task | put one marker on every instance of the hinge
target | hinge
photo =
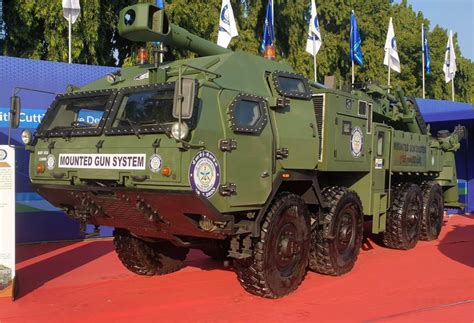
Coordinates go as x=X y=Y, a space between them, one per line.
x=228 y=189
x=227 y=145
x=282 y=153
x=283 y=102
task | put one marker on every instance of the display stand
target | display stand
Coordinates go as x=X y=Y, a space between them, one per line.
x=7 y=222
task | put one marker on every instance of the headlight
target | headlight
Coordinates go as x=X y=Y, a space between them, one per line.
x=26 y=136
x=50 y=162
x=177 y=133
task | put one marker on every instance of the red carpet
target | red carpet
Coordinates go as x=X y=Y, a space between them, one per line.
x=85 y=282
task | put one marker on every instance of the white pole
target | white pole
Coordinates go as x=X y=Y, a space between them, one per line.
x=423 y=56
x=70 y=36
x=314 y=59
x=452 y=89
x=353 y=75
x=389 y=61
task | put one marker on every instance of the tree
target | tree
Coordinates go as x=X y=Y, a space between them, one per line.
x=38 y=30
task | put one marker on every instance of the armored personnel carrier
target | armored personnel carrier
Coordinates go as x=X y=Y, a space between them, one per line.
x=242 y=158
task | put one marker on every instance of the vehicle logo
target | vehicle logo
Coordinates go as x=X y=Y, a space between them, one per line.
x=357 y=142
x=50 y=162
x=204 y=174
x=3 y=154
x=155 y=163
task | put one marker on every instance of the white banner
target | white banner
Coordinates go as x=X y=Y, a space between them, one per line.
x=103 y=161
x=7 y=220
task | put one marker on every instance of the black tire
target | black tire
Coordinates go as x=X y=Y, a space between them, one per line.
x=404 y=217
x=148 y=258
x=218 y=250
x=280 y=256
x=433 y=210
x=337 y=241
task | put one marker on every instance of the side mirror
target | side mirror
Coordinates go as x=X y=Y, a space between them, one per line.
x=184 y=96
x=15 y=110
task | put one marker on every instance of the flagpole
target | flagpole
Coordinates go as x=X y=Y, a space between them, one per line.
x=353 y=75
x=314 y=59
x=423 y=55
x=389 y=61
x=70 y=34
x=452 y=89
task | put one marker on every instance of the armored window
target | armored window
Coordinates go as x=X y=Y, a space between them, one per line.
x=144 y=109
x=248 y=114
x=78 y=114
x=362 y=112
x=380 y=143
x=292 y=85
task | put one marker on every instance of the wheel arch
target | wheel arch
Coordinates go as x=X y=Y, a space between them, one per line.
x=302 y=183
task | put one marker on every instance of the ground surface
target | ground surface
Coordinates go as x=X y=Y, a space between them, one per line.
x=85 y=282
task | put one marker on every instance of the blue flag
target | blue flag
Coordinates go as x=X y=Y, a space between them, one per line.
x=426 y=50
x=160 y=4
x=268 y=32
x=355 y=42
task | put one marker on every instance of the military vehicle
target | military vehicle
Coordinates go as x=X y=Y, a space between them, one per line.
x=241 y=157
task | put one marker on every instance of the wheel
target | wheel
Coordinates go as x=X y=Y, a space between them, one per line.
x=404 y=217
x=280 y=256
x=148 y=258
x=219 y=250
x=433 y=209
x=336 y=245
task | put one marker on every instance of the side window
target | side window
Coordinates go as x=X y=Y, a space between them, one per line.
x=362 y=112
x=380 y=143
x=292 y=85
x=248 y=114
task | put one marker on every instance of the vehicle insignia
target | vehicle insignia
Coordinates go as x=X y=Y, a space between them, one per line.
x=204 y=174
x=155 y=163
x=357 y=142
x=3 y=154
x=50 y=162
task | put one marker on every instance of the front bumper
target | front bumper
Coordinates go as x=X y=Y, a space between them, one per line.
x=149 y=213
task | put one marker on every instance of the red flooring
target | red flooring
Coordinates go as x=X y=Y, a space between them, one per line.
x=85 y=281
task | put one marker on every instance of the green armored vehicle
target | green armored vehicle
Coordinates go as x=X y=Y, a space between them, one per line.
x=242 y=158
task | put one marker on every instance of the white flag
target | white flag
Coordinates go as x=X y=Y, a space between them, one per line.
x=391 y=53
x=227 y=26
x=314 y=35
x=449 y=66
x=71 y=8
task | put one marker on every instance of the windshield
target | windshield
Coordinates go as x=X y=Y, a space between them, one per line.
x=145 y=108
x=76 y=113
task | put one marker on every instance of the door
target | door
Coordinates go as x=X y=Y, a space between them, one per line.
x=381 y=145
x=248 y=151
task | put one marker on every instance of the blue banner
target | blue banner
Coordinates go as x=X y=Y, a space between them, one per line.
x=355 y=42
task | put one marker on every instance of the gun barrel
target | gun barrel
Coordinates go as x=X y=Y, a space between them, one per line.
x=146 y=22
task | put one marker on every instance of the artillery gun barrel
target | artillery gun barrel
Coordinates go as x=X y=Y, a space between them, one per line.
x=146 y=22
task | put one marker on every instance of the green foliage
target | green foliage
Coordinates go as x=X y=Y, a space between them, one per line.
x=38 y=30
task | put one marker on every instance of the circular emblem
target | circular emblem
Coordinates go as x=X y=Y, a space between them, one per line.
x=50 y=161
x=3 y=154
x=204 y=174
x=155 y=163
x=225 y=15
x=357 y=142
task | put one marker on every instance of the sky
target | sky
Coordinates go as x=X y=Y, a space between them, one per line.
x=457 y=15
